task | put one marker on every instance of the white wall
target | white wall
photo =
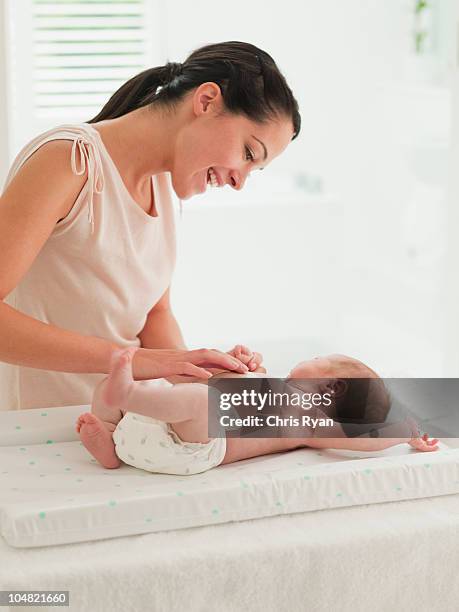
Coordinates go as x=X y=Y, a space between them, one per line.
x=451 y=289
x=364 y=269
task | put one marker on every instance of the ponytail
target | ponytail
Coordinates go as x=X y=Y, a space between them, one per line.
x=137 y=92
x=249 y=79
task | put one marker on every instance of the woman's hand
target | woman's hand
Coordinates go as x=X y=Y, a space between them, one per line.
x=252 y=360
x=162 y=363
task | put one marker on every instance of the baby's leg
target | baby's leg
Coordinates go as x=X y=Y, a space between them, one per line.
x=110 y=396
x=184 y=405
x=96 y=428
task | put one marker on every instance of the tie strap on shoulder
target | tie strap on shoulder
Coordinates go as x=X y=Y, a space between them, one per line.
x=85 y=157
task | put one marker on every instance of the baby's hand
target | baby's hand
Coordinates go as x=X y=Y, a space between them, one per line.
x=424 y=444
x=251 y=359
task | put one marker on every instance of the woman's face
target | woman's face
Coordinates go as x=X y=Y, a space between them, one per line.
x=232 y=145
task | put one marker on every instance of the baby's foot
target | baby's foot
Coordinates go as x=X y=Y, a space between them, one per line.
x=110 y=397
x=97 y=438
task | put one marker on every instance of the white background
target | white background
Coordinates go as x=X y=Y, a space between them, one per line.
x=344 y=244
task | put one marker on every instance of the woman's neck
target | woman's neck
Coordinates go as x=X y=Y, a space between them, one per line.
x=140 y=143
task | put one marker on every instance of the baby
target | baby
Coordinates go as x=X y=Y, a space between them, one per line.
x=165 y=429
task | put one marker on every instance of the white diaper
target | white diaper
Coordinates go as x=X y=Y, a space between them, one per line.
x=153 y=445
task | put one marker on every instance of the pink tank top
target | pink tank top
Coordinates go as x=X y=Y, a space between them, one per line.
x=103 y=268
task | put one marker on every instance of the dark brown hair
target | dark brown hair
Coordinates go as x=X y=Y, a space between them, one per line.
x=249 y=79
x=366 y=400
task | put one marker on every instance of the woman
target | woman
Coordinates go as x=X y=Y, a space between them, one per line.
x=87 y=224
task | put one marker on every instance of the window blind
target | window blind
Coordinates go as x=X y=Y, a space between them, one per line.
x=83 y=50
x=66 y=57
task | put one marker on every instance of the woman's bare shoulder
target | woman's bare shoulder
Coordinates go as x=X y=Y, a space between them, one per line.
x=42 y=192
x=53 y=157
x=45 y=180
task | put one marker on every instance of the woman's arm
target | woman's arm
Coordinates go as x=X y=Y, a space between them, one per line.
x=32 y=343
x=161 y=329
x=42 y=192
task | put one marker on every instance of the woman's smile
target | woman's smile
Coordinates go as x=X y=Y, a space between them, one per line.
x=211 y=178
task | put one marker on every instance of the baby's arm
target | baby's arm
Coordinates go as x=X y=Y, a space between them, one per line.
x=358 y=444
x=401 y=432
x=373 y=444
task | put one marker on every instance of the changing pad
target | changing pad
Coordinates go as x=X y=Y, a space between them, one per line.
x=53 y=492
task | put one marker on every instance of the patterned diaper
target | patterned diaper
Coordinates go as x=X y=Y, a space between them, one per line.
x=153 y=445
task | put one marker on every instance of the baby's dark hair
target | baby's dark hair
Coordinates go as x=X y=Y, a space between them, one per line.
x=365 y=400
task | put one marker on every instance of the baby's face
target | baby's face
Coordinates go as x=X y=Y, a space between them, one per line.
x=332 y=366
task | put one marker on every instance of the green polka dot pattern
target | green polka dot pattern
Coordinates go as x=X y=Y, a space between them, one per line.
x=58 y=483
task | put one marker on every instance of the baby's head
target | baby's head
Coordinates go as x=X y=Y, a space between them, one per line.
x=358 y=392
